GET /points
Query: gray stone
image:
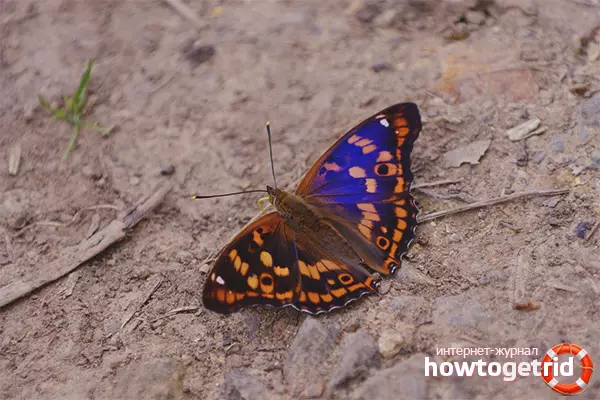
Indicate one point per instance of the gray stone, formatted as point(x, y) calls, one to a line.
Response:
point(524, 130)
point(475, 17)
point(405, 380)
point(239, 385)
point(392, 342)
point(359, 354)
point(558, 144)
point(157, 379)
point(460, 310)
point(538, 156)
point(470, 153)
point(582, 228)
point(411, 309)
point(313, 345)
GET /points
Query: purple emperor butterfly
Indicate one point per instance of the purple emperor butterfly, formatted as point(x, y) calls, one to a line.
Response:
point(352, 213)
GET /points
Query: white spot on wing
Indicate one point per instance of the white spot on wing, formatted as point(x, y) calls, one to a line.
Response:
point(384, 122)
point(220, 280)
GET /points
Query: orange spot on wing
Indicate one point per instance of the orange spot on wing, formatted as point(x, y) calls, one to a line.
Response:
point(397, 235)
point(252, 294)
point(327, 298)
point(284, 295)
point(321, 267)
point(237, 263)
point(313, 297)
point(357, 172)
point(257, 238)
point(252, 281)
point(356, 287)
point(366, 207)
point(402, 132)
point(281, 271)
point(363, 142)
point(368, 283)
point(371, 216)
point(330, 265)
point(393, 250)
point(314, 272)
point(266, 283)
point(302, 297)
point(383, 243)
point(266, 259)
point(230, 297)
point(369, 149)
point(331, 166)
point(401, 224)
point(233, 254)
point(371, 185)
point(239, 296)
point(353, 139)
point(339, 292)
point(221, 295)
point(303, 268)
point(384, 156)
point(244, 269)
point(401, 212)
point(400, 185)
point(366, 232)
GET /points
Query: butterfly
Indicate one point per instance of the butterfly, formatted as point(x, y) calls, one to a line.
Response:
point(352, 213)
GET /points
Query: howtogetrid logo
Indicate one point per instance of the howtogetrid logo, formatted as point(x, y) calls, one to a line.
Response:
point(551, 368)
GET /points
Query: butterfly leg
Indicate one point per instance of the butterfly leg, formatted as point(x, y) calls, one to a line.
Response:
point(260, 201)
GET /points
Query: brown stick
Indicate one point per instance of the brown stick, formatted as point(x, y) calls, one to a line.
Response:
point(185, 11)
point(419, 185)
point(490, 202)
point(74, 256)
point(594, 229)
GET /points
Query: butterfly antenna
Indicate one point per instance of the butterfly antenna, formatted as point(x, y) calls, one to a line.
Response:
point(271, 152)
point(210, 196)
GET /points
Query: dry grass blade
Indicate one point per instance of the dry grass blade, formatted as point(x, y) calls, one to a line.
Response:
point(491, 202)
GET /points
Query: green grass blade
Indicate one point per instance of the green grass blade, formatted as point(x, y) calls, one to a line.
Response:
point(57, 112)
point(72, 141)
point(79, 97)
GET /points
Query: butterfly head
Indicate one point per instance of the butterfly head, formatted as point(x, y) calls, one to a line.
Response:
point(273, 193)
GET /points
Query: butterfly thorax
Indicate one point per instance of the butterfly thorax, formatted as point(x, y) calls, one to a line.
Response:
point(296, 211)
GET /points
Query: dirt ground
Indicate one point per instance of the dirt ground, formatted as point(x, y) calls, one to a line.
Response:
point(190, 99)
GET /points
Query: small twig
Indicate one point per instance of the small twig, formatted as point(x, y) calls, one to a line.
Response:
point(490, 202)
point(161, 85)
point(185, 11)
point(593, 231)
point(143, 302)
point(461, 196)
point(73, 257)
point(63, 224)
point(419, 185)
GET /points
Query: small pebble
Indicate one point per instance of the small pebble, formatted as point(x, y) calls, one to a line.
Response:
point(380, 66)
point(475, 17)
point(551, 202)
point(538, 156)
point(582, 228)
point(198, 54)
point(367, 13)
point(558, 145)
point(168, 170)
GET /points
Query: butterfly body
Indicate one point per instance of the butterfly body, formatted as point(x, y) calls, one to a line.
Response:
point(352, 213)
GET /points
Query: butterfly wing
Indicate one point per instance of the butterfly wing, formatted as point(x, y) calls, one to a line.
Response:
point(327, 283)
point(258, 267)
point(269, 264)
point(362, 185)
